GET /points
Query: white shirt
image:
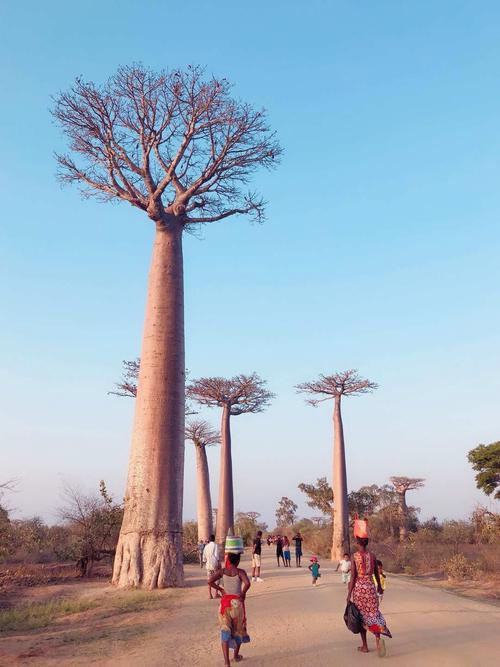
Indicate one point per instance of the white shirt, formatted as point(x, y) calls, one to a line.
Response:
point(211, 556)
point(345, 565)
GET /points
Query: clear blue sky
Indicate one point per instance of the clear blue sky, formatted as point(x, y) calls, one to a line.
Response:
point(381, 249)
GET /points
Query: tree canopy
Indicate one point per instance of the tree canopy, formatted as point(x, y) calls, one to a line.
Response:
point(201, 433)
point(286, 512)
point(320, 495)
point(485, 460)
point(171, 143)
point(345, 383)
point(241, 393)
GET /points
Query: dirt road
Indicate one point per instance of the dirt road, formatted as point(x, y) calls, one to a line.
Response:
point(292, 624)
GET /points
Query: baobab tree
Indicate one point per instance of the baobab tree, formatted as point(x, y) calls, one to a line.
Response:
point(202, 435)
point(127, 386)
point(177, 146)
point(334, 387)
point(236, 396)
point(401, 486)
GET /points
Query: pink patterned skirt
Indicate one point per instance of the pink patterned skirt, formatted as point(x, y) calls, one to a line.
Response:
point(365, 598)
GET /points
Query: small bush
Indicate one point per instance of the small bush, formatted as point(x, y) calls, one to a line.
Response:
point(459, 568)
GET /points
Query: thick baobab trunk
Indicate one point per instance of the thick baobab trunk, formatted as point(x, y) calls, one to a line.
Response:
point(340, 543)
point(149, 550)
point(403, 516)
point(225, 510)
point(204, 502)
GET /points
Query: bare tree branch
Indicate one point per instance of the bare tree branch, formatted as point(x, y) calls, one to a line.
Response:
point(345, 383)
point(202, 434)
point(169, 143)
point(127, 387)
point(242, 393)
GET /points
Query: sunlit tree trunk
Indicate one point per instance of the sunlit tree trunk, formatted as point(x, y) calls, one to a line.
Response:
point(204, 502)
point(149, 551)
point(403, 516)
point(225, 510)
point(340, 543)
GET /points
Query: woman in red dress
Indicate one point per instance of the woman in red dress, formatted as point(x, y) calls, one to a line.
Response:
point(364, 595)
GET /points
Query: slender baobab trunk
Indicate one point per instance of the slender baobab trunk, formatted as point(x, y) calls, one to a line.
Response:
point(340, 543)
point(403, 517)
point(149, 551)
point(205, 522)
point(225, 510)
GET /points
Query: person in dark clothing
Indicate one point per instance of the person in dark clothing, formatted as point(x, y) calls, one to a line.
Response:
point(298, 549)
point(256, 557)
point(279, 551)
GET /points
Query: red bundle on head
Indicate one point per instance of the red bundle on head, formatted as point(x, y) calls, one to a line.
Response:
point(360, 527)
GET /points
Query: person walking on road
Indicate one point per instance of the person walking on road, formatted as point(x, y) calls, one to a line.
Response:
point(363, 591)
point(314, 569)
point(257, 557)
point(232, 613)
point(212, 560)
point(345, 568)
point(298, 549)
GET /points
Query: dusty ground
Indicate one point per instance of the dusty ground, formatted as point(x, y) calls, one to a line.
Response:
point(291, 623)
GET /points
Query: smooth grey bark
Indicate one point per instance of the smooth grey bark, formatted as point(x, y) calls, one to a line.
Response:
point(204, 501)
point(225, 509)
point(340, 544)
point(149, 550)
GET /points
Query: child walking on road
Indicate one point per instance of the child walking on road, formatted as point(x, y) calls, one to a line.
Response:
point(345, 568)
point(314, 569)
point(383, 579)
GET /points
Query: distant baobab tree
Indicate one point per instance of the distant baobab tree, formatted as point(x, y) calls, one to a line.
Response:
point(333, 387)
point(127, 386)
point(401, 486)
point(202, 435)
point(236, 396)
point(179, 147)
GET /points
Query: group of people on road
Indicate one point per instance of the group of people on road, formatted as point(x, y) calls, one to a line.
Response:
point(283, 549)
point(362, 573)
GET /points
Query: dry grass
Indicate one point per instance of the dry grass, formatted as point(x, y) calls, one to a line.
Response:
point(35, 615)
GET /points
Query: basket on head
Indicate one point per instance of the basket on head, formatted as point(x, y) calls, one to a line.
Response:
point(234, 545)
point(360, 527)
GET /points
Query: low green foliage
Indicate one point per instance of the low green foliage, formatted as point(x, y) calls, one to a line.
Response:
point(485, 460)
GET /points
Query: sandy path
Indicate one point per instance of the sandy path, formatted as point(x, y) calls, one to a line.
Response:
point(292, 624)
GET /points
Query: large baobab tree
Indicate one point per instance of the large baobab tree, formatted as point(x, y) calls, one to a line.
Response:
point(334, 387)
point(236, 396)
point(202, 435)
point(401, 486)
point(177, 146)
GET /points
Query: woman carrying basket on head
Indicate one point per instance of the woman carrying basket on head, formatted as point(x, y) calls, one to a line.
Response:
point(363, 590)
point(232, 614)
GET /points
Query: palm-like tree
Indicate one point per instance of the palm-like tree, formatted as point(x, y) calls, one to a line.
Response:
point(334, 387)
point(236, 396)
point(202, 435)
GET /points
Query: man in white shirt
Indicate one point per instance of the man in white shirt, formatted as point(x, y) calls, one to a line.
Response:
point(211, 559)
